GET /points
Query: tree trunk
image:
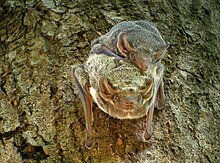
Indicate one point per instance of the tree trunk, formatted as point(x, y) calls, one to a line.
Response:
point(41, 115)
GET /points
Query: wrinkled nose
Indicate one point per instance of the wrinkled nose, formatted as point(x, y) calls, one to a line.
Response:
point(128, 105)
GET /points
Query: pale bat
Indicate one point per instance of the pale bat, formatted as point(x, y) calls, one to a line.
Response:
point(120, 89)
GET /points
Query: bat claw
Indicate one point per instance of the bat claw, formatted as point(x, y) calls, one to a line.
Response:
point(148, 135)
point(159, 106)
point(89, 143)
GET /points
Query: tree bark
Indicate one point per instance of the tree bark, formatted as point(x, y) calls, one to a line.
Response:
point(41, 115)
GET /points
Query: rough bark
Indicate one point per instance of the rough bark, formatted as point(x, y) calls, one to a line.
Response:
point(41, 116)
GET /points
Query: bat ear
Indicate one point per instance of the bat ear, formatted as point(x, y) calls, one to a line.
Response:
point(123, 45)
point(106, 91)
point(160, 54)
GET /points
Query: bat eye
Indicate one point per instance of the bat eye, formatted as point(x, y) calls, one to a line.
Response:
point(156, 60)
point(116, 97)
point(132, 56)
point(140, 97)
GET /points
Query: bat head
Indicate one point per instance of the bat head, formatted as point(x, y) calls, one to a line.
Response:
point(139, 59)
point(128, 99)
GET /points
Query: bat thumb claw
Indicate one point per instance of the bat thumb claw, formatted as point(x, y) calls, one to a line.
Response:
point(89, 143)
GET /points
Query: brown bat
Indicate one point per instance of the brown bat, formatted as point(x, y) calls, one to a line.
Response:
point(137, 42)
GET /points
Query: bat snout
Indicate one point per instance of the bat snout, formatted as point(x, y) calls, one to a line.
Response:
point(140, 63)
point(128, 105)
point(143, 66)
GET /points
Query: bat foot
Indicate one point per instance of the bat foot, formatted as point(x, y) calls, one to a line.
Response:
point(89, 143)
point(159, 106)
point(148, 135)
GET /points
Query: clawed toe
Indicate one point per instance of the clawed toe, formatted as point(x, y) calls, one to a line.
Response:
point(89, 143)
point(148, 135)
